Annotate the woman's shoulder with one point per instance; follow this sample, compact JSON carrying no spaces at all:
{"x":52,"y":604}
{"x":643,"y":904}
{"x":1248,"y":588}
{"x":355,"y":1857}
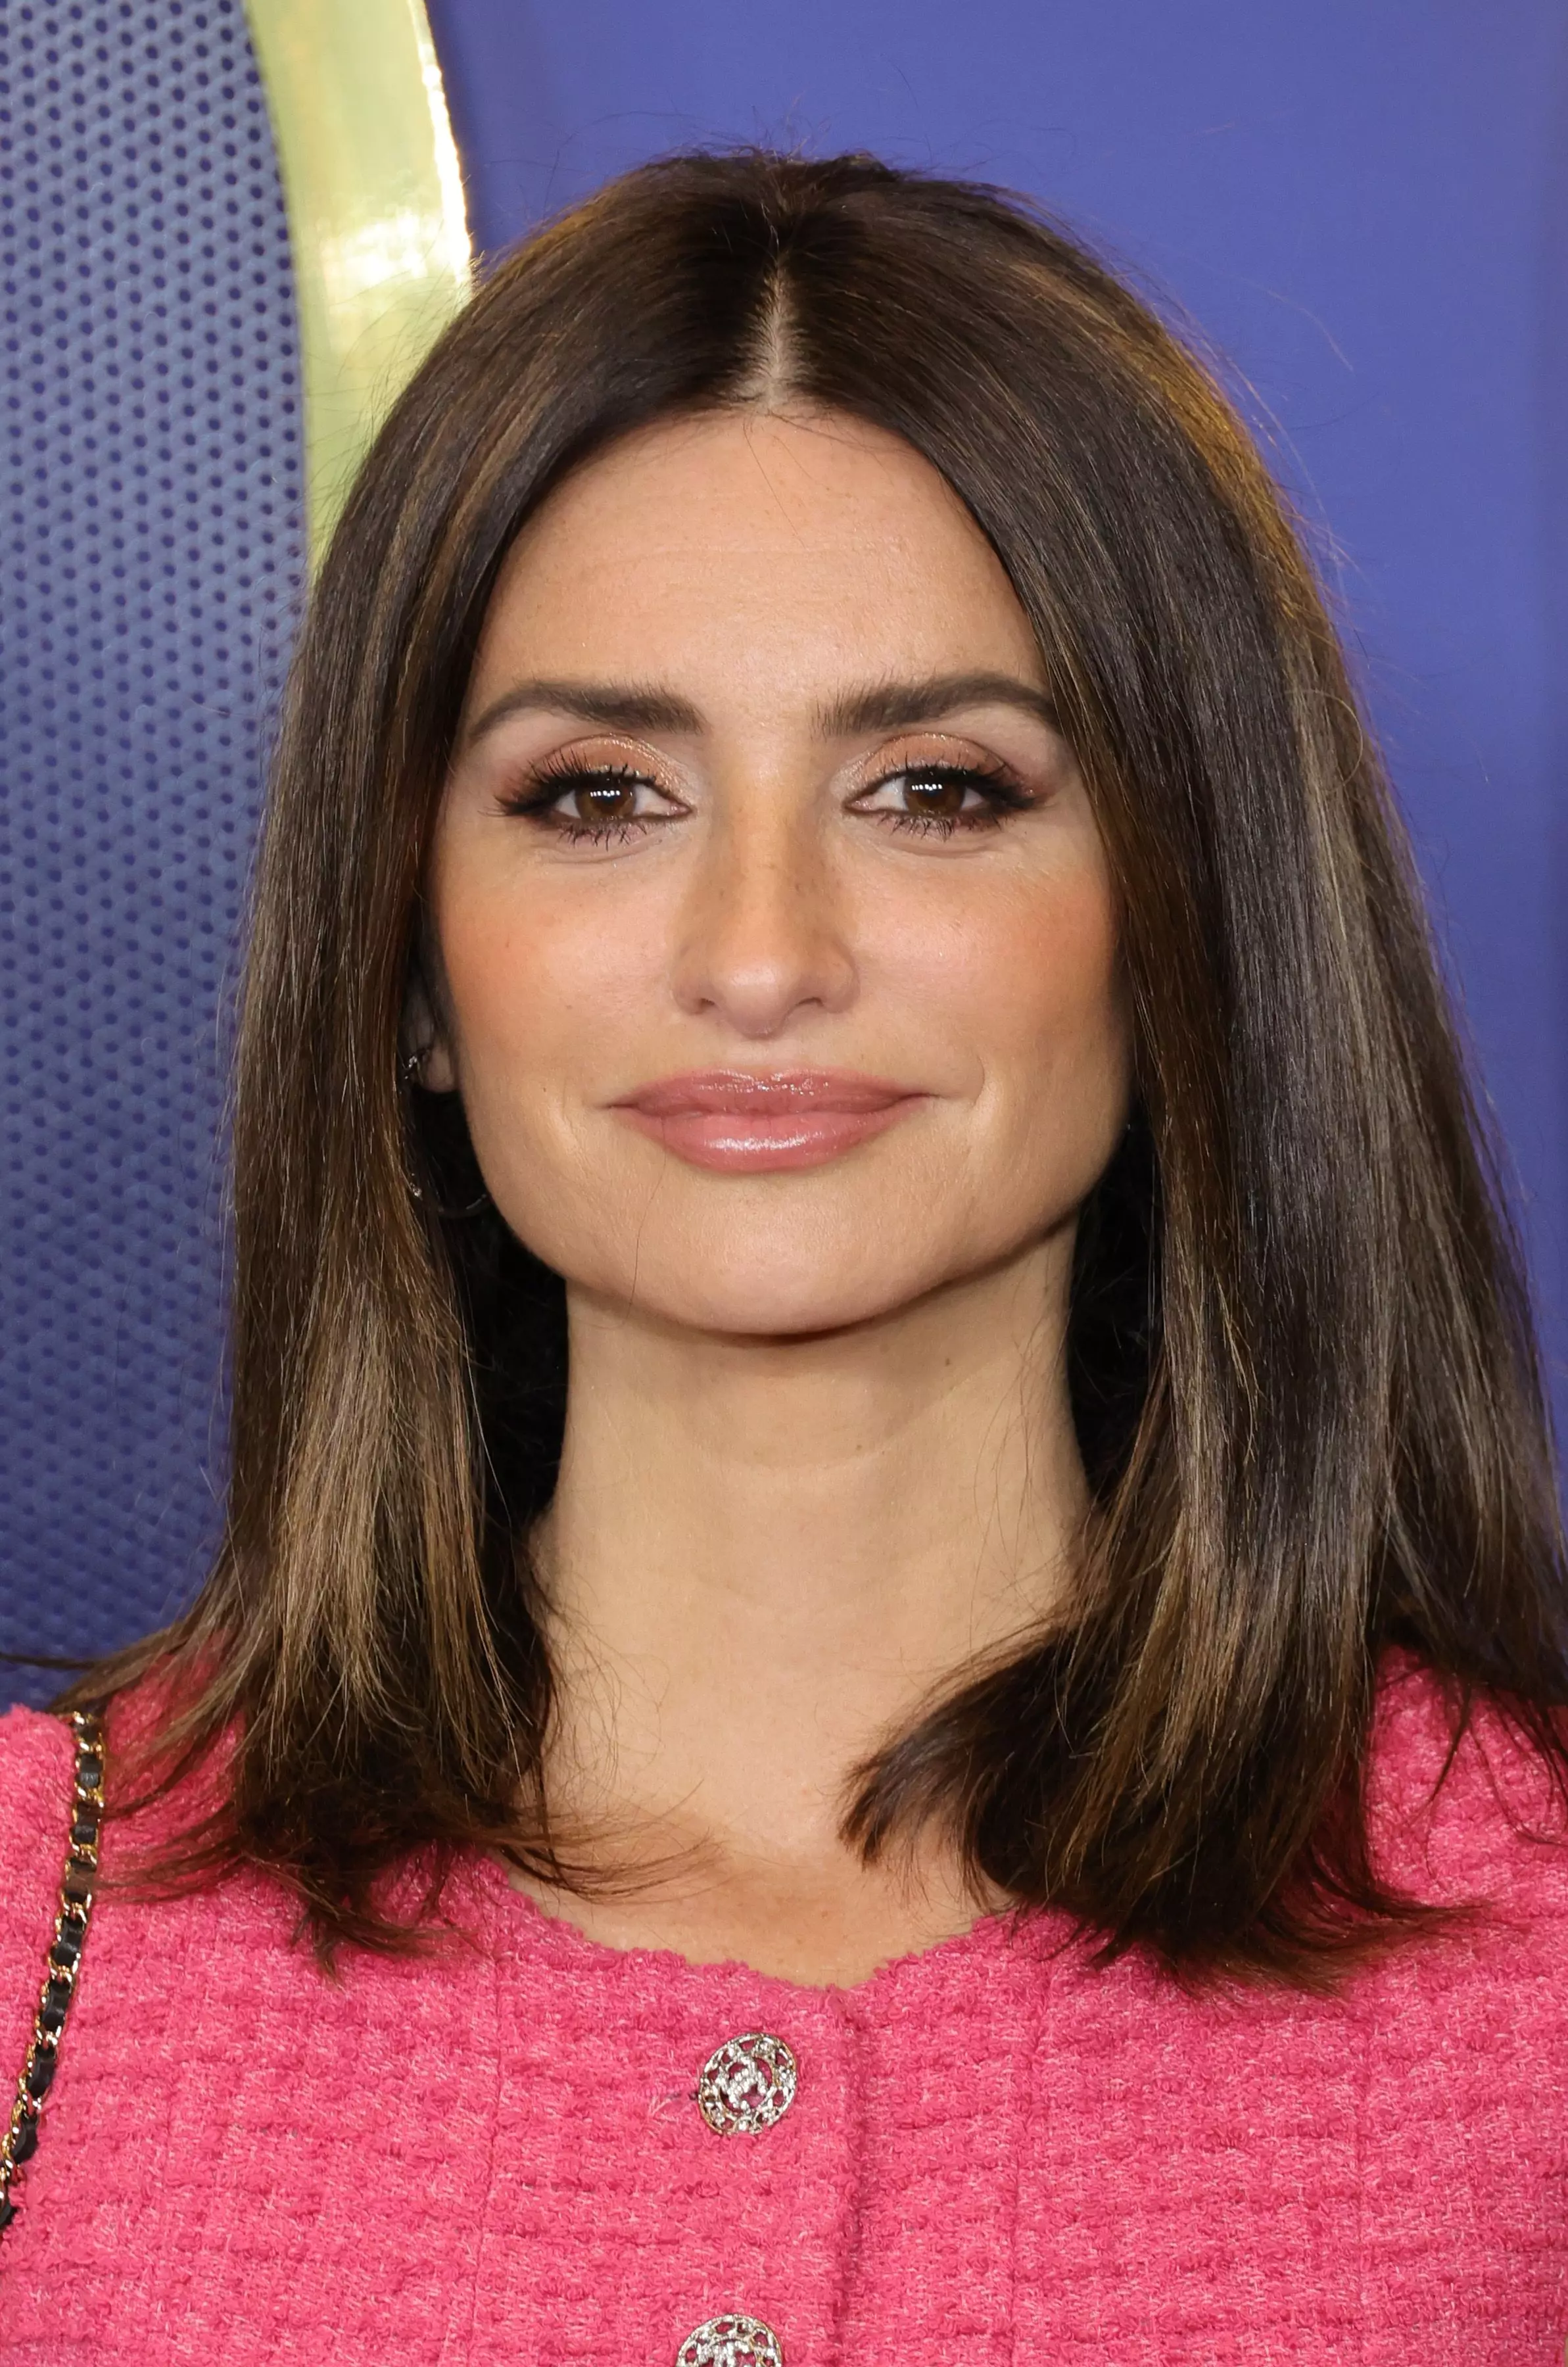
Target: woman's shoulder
{"x":1461,"y":1803}
{"x":37,"y":1771}
{"x":36,"y":1757}
{"x":37,"y":1754}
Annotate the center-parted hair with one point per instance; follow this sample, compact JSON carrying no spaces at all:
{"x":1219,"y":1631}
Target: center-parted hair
{"x":1300,"y":1347}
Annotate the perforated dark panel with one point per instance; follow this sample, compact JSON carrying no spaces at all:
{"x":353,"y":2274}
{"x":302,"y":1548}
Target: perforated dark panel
{"x":152,"y":553}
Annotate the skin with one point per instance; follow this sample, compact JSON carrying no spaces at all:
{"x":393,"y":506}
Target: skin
{"x":818,"y":1453}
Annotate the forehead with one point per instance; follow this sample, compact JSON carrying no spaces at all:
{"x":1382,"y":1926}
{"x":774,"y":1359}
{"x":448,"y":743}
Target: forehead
{"x":779,"y":552}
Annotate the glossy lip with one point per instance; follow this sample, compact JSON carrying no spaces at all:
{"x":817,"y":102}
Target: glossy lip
{"x":737,"y":1123}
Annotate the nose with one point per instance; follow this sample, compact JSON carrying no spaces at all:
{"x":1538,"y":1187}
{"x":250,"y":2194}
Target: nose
{"x":761,"y":936}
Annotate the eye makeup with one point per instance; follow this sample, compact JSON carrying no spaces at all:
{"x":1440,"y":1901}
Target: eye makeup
{"x":581,"y":801}
{"x":600,"y":804}
{"x":942,"y":797}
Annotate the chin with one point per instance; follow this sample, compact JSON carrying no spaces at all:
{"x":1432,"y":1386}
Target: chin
{"x":752,"y":1288}
{"x":742,"y":1301}
{"x":805,"y":1314}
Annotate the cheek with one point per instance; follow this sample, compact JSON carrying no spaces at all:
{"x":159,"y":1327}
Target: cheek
{"x":1058,"y":1077}
{"x":1068,"y":989}
{"x":1036,"y":988}
{"x":536,"y":986}
{"x":1025,"y":982}
{"x":538,"y":993}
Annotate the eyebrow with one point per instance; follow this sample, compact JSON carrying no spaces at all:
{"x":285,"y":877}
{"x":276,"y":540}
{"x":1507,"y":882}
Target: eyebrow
{"x":880,"y":707}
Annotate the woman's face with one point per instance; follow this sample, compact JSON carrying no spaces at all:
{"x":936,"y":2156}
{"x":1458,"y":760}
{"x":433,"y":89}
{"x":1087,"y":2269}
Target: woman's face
{"x":775,"y":955}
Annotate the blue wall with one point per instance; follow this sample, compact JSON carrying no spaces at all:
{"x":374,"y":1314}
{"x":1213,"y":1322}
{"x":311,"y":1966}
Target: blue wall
{"x":1363,"y":205}
{"x":150,"y":495}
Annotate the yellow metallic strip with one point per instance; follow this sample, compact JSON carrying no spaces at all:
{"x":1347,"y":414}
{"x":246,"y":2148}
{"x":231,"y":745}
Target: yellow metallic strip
{"x":377,"y":223}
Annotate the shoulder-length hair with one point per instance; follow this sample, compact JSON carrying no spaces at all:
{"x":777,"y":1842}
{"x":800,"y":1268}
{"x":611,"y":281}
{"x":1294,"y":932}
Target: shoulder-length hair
{"x":1301,"y":1349}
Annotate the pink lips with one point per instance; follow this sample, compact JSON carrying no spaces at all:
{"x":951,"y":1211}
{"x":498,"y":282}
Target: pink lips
{"x":745,"y":1125}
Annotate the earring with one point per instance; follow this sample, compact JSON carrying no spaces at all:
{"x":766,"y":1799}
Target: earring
{"x":460,"y":1216}
{"x":410,"y":1069}
{"x":409,"y":1066}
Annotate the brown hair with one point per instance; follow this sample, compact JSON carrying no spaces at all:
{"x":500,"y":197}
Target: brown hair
{"x":1301,"y":1349}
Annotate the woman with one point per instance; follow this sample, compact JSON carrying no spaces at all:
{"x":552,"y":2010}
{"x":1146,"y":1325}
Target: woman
{"x":892,"y":1606}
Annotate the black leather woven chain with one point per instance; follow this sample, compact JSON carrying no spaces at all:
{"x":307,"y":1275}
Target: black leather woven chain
{"x":65,"y":1965}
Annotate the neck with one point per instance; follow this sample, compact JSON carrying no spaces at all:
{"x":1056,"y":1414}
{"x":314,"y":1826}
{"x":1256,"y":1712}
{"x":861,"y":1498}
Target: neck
{"x":763,"y":1555}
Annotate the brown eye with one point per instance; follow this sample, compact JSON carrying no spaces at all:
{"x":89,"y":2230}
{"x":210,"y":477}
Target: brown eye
{"x":940,"y":795}
{"x":602,"y":801}
{"x":577,"y":803}
{"x":941,"y":799}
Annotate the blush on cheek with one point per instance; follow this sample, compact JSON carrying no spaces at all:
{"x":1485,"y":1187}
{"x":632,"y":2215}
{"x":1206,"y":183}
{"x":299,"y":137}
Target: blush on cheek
{"x":1070,"y":1041}
{"x":532,"y":992}
{"x":1043,"y":970}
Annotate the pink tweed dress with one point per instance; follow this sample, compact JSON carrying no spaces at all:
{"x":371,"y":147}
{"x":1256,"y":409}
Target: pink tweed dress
{"x":993,"y":2152}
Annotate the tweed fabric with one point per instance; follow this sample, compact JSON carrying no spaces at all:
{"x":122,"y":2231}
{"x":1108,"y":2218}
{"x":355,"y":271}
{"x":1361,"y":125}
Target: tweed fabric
{"x":997,"y":2153}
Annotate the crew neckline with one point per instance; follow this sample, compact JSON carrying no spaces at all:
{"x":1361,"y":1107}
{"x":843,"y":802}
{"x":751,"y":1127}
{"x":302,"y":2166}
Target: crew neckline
{"x":989,"y":1935}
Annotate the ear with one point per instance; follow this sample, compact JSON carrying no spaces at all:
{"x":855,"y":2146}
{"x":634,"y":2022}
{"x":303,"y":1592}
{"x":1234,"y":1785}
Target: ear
{"x":422,"y":1040}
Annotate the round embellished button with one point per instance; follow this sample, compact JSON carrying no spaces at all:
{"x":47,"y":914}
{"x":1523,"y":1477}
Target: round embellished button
{"x":731,"y":2342}
{"x":746,"y":2084}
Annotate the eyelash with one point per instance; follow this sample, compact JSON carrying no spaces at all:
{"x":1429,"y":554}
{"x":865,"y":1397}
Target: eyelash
{"x":551,"y":782}
{"x":1001,"y":793}
{"x":537,"y":800}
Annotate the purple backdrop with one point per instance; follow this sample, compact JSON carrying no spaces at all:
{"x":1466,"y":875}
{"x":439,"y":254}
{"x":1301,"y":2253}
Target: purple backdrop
{"x":149,"y":518}
{"x":1363,"y":205}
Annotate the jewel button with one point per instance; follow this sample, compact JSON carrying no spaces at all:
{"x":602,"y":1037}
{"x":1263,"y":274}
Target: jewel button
{"x":747,"y":2085}
{"x":731,"y":2342}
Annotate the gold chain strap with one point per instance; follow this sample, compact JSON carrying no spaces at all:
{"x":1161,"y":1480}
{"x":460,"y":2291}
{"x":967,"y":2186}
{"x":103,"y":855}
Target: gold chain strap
{"x":20,"y":2141}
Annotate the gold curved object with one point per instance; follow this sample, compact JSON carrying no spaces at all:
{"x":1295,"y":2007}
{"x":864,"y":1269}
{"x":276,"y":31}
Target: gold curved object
{"x":376,"y":221}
